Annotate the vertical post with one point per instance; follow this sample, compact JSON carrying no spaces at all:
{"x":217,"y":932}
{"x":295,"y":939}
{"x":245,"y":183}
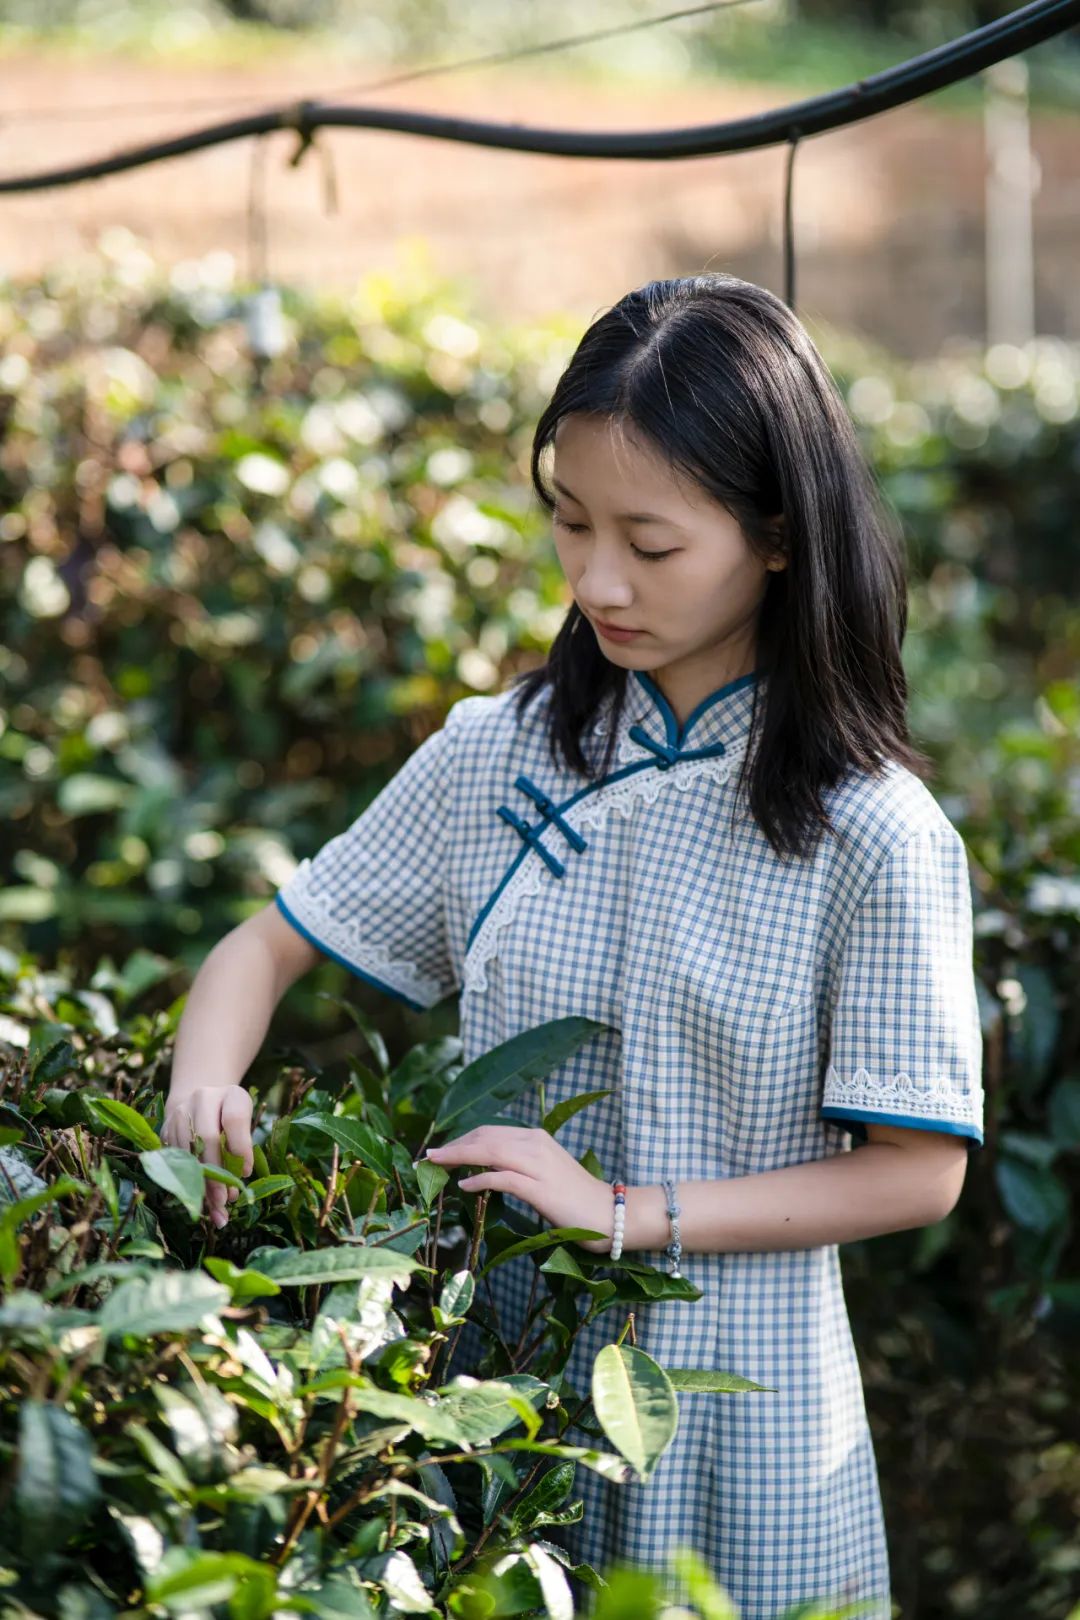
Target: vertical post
{"x":1012,"y":177}
{"x":789,"y":220}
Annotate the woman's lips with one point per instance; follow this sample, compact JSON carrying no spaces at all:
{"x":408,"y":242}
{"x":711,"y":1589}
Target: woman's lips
{"x":614,"y":633}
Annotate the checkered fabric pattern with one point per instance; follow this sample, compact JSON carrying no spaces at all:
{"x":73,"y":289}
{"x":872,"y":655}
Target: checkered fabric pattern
{"x":372,"y":897}
{"x":760,"y":1012}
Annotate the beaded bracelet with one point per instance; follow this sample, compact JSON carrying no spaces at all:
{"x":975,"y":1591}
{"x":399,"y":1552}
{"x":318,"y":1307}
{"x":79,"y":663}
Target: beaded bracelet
{"x":619,"y":1189}
{"x":674,"y":1248}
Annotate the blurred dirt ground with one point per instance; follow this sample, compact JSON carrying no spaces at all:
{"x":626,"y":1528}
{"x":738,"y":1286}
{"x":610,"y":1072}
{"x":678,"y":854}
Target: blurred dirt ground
{"x":889,"y":213}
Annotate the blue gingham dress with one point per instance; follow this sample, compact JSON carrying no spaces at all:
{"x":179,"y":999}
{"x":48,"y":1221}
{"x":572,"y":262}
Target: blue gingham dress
{"x":761,"y":1011}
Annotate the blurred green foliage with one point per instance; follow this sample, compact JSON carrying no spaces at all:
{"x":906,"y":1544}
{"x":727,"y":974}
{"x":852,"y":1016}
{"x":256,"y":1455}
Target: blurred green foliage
{"x":807,"y":45}
{"x":240,"y":589}
{"x":246,"y":564}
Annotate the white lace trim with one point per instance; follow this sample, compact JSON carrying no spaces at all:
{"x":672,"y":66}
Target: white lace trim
{"x":937,"y":1099}
{"x":348,"y":940}
{"x":621,"y":798}
{"x":628,"y":750}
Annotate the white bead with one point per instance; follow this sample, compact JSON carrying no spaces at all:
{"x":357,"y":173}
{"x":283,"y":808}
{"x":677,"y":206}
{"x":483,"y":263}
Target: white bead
{"x":617,"y":1232}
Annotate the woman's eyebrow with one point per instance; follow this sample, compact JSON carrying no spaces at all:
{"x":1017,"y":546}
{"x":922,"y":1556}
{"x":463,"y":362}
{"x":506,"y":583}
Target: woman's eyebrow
{"x":626,"y":517}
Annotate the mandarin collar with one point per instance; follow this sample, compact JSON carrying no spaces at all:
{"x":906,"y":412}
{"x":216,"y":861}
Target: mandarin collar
{"x":724,"y":716}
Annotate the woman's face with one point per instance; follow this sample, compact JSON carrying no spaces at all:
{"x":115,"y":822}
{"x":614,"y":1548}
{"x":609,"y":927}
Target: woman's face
{"x":648,"y":551}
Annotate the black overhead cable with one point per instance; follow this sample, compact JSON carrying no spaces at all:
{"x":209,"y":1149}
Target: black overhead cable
{"x":893,"y":87}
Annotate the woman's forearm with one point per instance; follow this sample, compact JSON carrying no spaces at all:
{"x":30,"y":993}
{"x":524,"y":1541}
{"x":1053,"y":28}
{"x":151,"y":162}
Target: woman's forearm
{"x":879,"y":1187}
{"x":227,"y":1013}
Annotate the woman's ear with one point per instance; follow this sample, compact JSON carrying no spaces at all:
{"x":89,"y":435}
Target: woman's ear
{"x":779,"y":561}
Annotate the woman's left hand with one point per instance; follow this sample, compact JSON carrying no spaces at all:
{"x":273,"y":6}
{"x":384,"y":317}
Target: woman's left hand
{"x":529,"y":1163}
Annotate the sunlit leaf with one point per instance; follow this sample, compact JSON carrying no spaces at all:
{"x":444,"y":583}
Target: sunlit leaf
{"x":178,"y":1172}
{"x":635,"y":1404}
{"x":431,"y":1178}
{"x":124,"y":1121}
{"x":169,"y":1302}
{"x":706,"y":1382}
{"x":292,"y":1268}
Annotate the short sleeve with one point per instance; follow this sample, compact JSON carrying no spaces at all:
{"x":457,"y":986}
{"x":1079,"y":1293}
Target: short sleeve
{"x":373,"y":898}
{"x":906,"y":1040}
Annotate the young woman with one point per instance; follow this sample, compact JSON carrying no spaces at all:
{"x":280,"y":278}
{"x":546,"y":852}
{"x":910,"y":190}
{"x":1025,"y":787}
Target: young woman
{"x":702,"y":823}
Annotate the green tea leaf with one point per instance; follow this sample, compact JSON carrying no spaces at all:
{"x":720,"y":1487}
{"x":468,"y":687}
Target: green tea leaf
{"x":572,"y":1105}
{"x":141,"y":971}
{"x":435,"y":1421}
{"x":546,"y":1495}
{"x":503,"y":1073}
{"x":604,"y":1463}
{"x":358,"y":1140}
{"x":541,"y":1240}
{"x":554,"y":1586}
{"x":561,"y":1263}
{"x":482,"y":1409}
{"x":401,"y":1581}
{"x":635,"y":1404}
{"x":178,"y":1172}
{"x":294,"y":1267}
{"x":86,"y":1274}
{"x":243,"y":1284}
{"x":456,"y":1295}
{"x":55,"y":1485}
{"x":123,"y":1120}
{"x":168,"y":1302}
{"x":50,"y":1055}
{"x":709,"y":1599}
{"x":1035,"y":1199}
{"x":188,"y":1580}
{"x":431,"y":1178}
{"x":706,"y":1382}
{"x":266,"y":1186}
{"x":16,"y":1213}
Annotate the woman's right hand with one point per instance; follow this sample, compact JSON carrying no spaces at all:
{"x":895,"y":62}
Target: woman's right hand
{"x":207,"y":1111}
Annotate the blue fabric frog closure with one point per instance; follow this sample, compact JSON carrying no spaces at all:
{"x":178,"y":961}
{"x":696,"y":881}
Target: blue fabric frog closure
{"x":531,"y":835}
{"x":666,"y":754}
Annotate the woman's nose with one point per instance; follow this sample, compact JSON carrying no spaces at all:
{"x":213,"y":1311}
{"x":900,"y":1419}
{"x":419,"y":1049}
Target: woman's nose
{"x":601,"y":584}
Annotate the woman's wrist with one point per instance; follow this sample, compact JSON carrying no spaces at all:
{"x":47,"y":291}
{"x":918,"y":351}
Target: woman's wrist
{"x":183,"y":1090}
{"x":647,"y":1224}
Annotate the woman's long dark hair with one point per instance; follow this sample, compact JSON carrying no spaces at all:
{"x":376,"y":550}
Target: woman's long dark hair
{"x":726,"y":383}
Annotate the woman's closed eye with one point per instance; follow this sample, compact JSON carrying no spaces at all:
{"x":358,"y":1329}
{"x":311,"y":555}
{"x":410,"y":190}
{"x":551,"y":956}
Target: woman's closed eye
{"x":579,"y":528}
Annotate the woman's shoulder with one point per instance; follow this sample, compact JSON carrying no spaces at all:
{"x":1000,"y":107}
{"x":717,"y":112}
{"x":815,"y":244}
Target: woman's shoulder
{"x":881,"y":810}
{"x":482,"y":719}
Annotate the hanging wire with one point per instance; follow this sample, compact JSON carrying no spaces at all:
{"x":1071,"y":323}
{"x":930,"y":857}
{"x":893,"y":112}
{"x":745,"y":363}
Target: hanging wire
{"x":262,"y":307}
{"x":933,"y":70}
{"x":306,"y":131}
